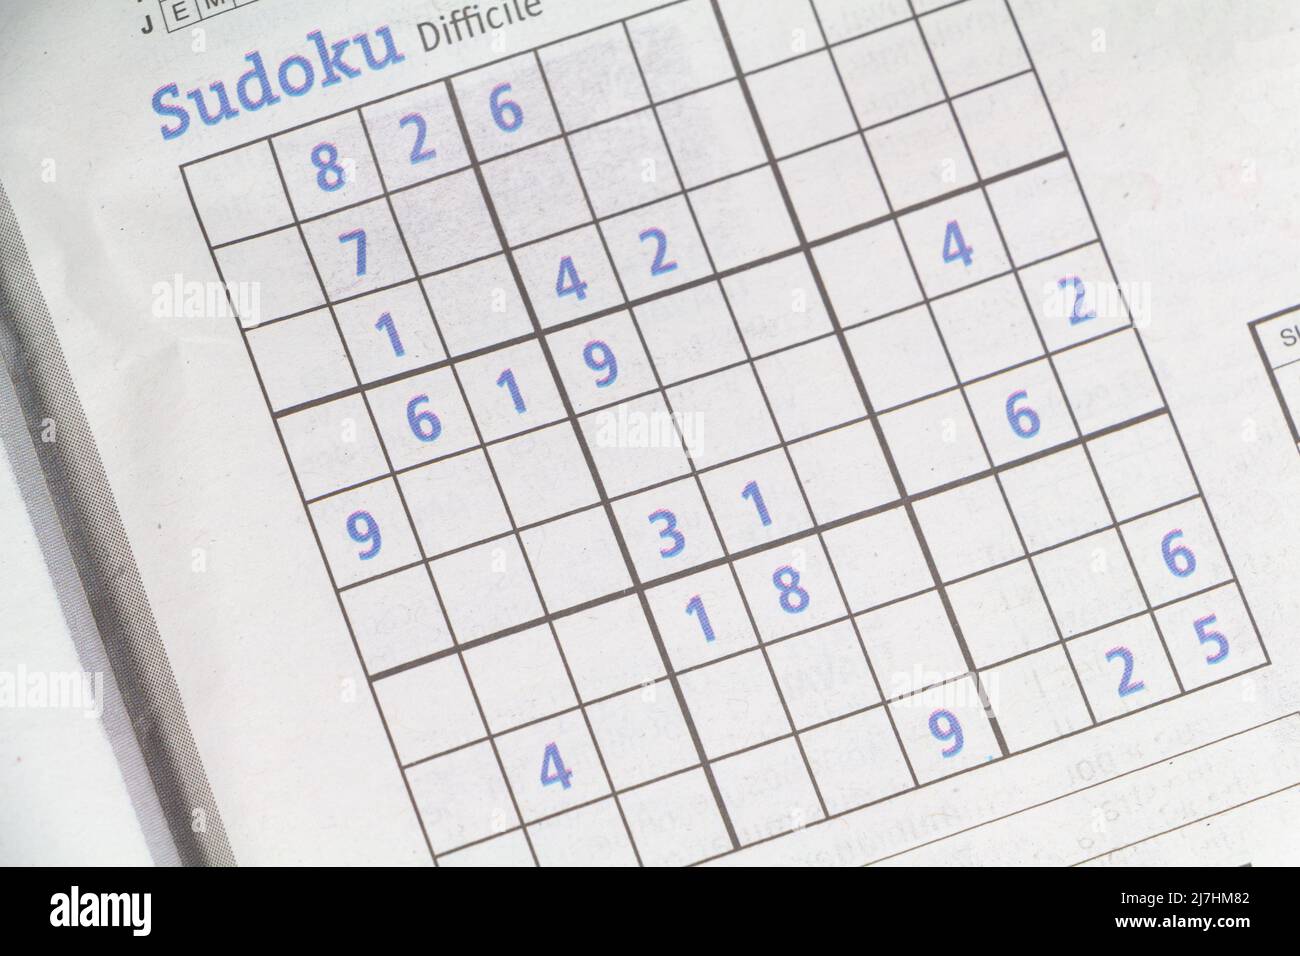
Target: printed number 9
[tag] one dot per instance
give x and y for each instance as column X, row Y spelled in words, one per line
column 600, row 358
column 364, row 529
column 945, row 726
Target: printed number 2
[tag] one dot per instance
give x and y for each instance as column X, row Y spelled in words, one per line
column 658, row 267
column 954, row 246
column 418, row 151
column 1126, row 683
column 553, row 768
column 1075, row 315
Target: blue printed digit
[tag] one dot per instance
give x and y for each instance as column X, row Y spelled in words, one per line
column 329, row 171
column 386, row 324
column 359, row 237
column 507, row 114
column 1024, row 420
column 751, row 493
column 954, row 246
column 364, row 529
column 507, row 381
column 793, row 597
column 1206, row 636
column 669, row 532
column 658, row 267
column 1075, row 315
column 695, row 608
column 600, row 358
column 553, row 768
column 425, row 425
column 567, row 281
column 419, row 153
column 944, row 726
column 1179, row 559
column 1126, row 683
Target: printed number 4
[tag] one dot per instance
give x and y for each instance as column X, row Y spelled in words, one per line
column 954, row 246
column 553, row 768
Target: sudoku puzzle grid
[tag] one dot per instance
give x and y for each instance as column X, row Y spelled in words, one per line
column 717, row 421
column 1277, row 337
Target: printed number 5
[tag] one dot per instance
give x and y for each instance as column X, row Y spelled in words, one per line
column 1206, row 636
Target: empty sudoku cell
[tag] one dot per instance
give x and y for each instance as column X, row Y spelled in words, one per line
column 842, row 19
column 478, row 305
column 878, row 559
column 511, row 390
column 723, row 416
column 900, row 357
column 843, row 471
column 425, row 212
column 1088, row 583
column 486, row 588
column 777, row 304
column 327, row 165
column 920, row 156
column 701, row 617
column 1041, row 212
column 800, row 104
column 543, row 474
column 833, row 187
column 552, row 766
column 276, row 271
column 1210, row 636
column 756, row 500
column 800, row 409
column 519, row 678
column 1021, row 412
column 332, row 446
column 974, row 43
column 568, row 276
column 357, row 250
column 767, row 791
column 421, row 418
column 945, row 729
column 508, row 850
column 389, row 332
column 867, row 274
column 968, row 528
column 911, row 645
column 536, row 192
column 462, row 797
column 887, row 74
column 680, row 48
column 743, row 218
column 1123, row 668
column 1055, row 498
column 642, row 734
column 1007, row 125
column 593, row 77
column 364, row 532
column 576, row 559
column 1142, row 467
column 1036, row 698
column 238, row 194
column 415, row 136
column 790, row 588
column 934, row 442
column 1108, row 381
column 588, row 836
column 609, row 647
column 856, row 760
column 300, row 359
column 1074, row 298
column 1001, row 613
column 635, row 444
column 768, row 31
column 986, row 327
column 396, row 618
column 689, row 333
column 954, row 243
column 675, row 821
column 429, row 709
column 655, row 247
column 711, row 134
column 734, row 704
column 667, row 529
column 454, row 502
column 1176, row 551
column 624, row 163
column 601, row 362
column 823, row 674
column 505, row 106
